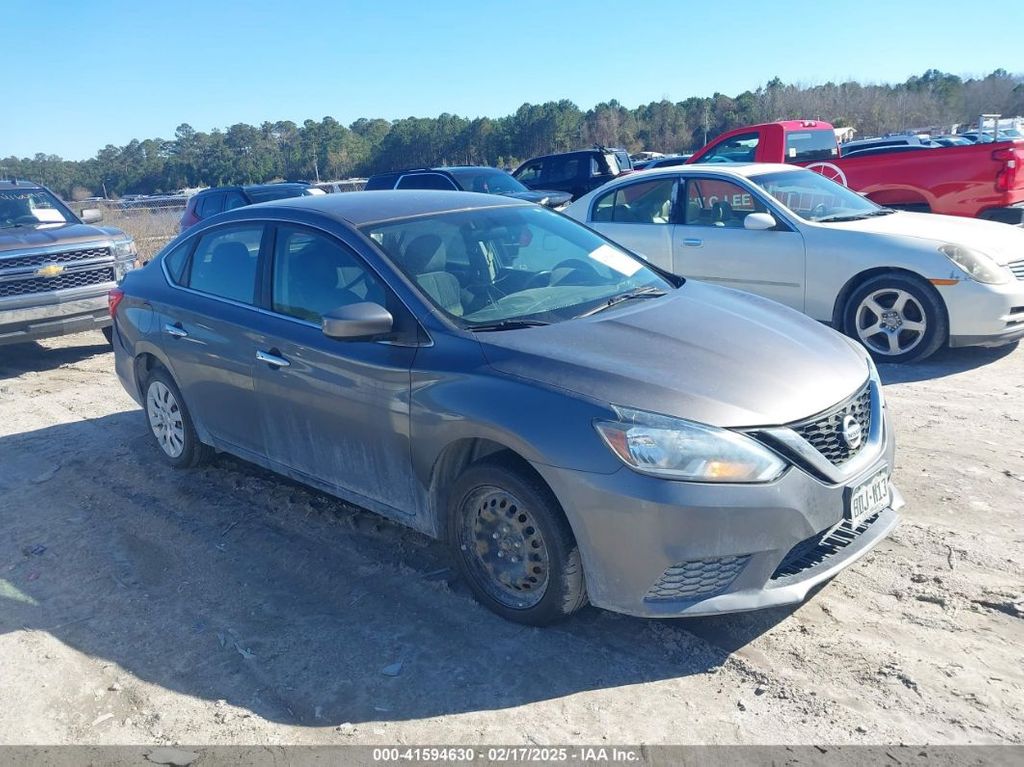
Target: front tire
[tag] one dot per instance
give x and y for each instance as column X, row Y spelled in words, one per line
column 513, row 544
column 898, row 318
column 170, row 423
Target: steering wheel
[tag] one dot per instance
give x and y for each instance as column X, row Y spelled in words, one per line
column 544, row 278
column 818, row 210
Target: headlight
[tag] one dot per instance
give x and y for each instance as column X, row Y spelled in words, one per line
column 678, row 449
column 979, row 266
column 125, row 249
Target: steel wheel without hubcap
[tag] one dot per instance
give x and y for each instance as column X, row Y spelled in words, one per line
column 890, row 322
column 165, row 419
column 504, row 547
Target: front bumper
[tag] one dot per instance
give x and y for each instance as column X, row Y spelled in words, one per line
column 45, row 315
column 984, row 315
column 719, row 548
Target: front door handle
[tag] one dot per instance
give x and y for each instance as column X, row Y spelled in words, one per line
column 693, row 242
column 274, row 360
column 175, row 330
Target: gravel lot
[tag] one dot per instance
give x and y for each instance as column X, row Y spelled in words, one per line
column 224, row 605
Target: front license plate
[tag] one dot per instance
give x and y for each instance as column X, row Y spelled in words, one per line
column 868, row 498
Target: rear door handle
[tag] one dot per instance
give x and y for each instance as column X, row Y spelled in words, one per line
column 274, row 360
column 693, row 242
column 175, row 331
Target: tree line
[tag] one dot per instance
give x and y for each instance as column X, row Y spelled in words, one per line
column 327, row 149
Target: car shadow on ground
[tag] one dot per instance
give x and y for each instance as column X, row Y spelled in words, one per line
column 18, row 359
column 945, row 362
column 229, row 583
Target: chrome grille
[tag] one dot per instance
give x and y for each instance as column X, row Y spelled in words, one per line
column 1017, row 267
column 819, row 548
column 65, row 257
column 824, row 432
column 698, row 579
column 61, row 282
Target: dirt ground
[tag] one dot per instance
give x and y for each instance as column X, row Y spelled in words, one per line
column 223, row 605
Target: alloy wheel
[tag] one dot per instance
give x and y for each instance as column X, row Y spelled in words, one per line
column 890, row 321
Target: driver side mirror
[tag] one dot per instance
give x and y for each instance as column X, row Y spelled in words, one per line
column 364, row 321
column 91, row 215
column 759, row 221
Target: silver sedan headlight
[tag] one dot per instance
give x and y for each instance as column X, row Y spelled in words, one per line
column 678, row 449
column 977, row 265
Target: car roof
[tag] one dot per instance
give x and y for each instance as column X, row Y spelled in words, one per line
column 742, row 169
column 360, row 208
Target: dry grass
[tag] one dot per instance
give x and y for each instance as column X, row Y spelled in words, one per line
column 151, row 229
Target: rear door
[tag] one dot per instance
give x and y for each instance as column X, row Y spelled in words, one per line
column 639, row 216
column 710, row 242
column 208, row 334
column 333, row 411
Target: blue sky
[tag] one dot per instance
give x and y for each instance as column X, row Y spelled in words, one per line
column 89, row 73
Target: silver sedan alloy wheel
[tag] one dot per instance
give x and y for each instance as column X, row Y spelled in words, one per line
column 165, row 419
column 891, row 321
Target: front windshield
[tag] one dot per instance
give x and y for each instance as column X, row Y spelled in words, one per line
column 511, row 264
column 813, row 197
column 487, row 181
column 30, row 208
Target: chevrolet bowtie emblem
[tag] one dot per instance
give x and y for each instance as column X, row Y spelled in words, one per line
column 50, row 270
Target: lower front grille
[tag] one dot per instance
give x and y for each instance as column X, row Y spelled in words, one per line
column 819, row 548
column 61, row 282
column 698, row 579
column 1017, row 267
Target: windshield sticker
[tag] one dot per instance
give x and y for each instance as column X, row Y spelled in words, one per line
column 616, row 259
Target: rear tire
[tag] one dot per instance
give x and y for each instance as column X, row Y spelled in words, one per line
column 513, row 544
column 170, row 423
column 899, row 318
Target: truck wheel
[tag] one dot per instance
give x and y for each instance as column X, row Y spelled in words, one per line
column 514, row 546
column 170, row 423
column 898, row 318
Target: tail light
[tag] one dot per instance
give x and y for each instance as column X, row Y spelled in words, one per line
column 1006, row 177
column 114, row 298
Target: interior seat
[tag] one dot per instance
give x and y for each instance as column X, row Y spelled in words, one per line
column 425, row 259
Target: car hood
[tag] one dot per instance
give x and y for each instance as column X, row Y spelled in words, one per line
column 47, row 235
column 1001, row 242
column 705, row 353
column 546, row 197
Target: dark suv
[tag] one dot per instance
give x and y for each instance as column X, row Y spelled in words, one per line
column 466, row 178
column 574, row 172
column 56, row 268
column 217, row 199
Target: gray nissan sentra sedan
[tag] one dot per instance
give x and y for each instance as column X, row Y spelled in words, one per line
column 578, row 425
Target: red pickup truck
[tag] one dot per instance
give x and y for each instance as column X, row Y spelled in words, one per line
column 980, row 180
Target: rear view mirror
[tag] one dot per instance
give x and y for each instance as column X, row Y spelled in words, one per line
column 759, row 221
column 91, row 215
column 357, row 322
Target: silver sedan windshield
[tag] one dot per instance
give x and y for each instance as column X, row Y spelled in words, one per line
column 816, row 198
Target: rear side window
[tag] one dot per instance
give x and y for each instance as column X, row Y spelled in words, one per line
column 740, row 148
column 647, row 202
column 425, row 181
column 175, row 260
column 561, row 169
column 210, row 205
column 224, row 263
column 811, row 145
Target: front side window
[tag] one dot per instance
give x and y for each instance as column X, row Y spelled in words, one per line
column 561, row 169
column 224, row 263
column 647, row 202
column 314, row 274
column 521, row 263
column 742, row 148
column 719, row 203
column 530, row 173
column 816, row 198
column 425, row 181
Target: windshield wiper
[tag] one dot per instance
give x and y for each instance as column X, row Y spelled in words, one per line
column 487, row 327
column 882, row 212
column 648, row 292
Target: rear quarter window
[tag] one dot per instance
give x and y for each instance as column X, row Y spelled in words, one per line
column 176, row 259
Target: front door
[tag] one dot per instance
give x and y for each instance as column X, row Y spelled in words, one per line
column 711, row 243
column 333, row 411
